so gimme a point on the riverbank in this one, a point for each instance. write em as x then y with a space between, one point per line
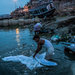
57 20
19 22
62 26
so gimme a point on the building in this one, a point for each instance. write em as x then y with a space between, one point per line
26 9
20 12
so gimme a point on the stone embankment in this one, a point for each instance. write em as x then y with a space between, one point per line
13 22
61 25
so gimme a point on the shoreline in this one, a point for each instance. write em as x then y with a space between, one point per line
58 20
64 26
19 22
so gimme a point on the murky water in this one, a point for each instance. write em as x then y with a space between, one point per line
19 42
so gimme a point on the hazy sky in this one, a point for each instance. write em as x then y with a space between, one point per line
6 6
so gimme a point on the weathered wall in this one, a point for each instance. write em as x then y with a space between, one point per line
13 22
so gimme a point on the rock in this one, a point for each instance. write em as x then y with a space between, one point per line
13 22
72 47
55 38
21 21
36 20
72 29
66 22
1 23
5 23
62 31
72 39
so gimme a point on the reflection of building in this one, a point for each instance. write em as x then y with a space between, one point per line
17 37
17 31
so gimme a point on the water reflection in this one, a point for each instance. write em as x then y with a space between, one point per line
17 36
17 30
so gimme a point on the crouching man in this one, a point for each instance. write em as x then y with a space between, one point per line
44 43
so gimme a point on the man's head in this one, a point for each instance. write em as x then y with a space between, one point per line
36 38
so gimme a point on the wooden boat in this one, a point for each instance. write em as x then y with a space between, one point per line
43 10
70 53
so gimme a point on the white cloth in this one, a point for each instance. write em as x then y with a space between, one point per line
49 46
30 62
37 27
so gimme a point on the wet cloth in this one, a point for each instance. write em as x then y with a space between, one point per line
49 47
37 27
30 62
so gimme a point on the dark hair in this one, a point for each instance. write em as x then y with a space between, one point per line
36 36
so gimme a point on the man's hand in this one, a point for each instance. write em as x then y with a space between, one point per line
34 56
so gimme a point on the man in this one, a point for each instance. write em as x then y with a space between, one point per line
37 27
44 43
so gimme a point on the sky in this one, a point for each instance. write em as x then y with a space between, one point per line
7 6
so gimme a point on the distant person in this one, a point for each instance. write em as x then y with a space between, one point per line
44 43
37 28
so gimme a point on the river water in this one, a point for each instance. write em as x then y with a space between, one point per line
18 41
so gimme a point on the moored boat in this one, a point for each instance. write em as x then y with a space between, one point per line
43 10
70 51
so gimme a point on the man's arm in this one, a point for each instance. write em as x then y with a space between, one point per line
38 49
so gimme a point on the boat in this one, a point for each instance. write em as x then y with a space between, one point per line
69 52
43 10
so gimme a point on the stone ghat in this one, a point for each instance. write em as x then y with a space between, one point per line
61 26
14 22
